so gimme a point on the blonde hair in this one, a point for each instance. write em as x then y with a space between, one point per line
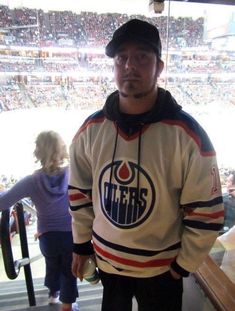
50 151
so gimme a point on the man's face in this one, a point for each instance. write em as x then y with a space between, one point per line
136 69
230 183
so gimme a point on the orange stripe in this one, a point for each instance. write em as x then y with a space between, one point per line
76 196
213 215
134 263
85 125
194 136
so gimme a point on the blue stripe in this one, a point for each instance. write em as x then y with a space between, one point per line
213 202
202 225
85 191
135 251
96 115
71 187
193 125
78 207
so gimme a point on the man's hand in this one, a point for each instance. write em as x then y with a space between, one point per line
78 264
175 275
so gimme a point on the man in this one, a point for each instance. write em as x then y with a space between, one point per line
229 202
144 183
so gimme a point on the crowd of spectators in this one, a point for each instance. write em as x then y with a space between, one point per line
74 80
25 26
90 93
7 181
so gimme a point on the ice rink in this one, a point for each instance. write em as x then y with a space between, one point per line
19 128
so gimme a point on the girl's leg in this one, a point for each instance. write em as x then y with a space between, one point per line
52 260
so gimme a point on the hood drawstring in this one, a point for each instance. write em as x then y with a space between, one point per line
111 171
108 204
138 173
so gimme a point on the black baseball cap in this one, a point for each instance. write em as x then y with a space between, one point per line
135 30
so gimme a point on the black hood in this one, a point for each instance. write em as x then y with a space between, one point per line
165 107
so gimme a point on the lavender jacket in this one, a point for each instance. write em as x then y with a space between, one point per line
49 194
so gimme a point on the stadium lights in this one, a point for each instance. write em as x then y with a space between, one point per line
156 5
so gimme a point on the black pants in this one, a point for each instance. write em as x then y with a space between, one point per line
56 247
159 293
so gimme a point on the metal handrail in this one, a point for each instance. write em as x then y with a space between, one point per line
7 254
28 206
12 267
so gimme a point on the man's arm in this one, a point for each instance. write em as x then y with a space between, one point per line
202 205
81 207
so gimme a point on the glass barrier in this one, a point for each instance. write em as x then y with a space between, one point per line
52 62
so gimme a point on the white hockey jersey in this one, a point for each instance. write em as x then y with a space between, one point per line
144 189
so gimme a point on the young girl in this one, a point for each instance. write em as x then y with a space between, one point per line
47 187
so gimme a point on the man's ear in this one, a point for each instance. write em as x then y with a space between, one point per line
160 67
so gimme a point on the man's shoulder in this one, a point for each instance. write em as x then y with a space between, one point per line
96 117
91 121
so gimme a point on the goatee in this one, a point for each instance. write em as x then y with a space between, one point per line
138 95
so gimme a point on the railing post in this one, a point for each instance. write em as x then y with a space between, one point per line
25 254
7 254
12 267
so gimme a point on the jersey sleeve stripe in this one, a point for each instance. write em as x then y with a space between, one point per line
210 203
78 207
202 225
215 215
76 196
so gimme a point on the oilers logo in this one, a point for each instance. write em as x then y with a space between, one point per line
127 194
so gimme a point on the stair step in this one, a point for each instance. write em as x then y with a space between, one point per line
14 296
13 293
